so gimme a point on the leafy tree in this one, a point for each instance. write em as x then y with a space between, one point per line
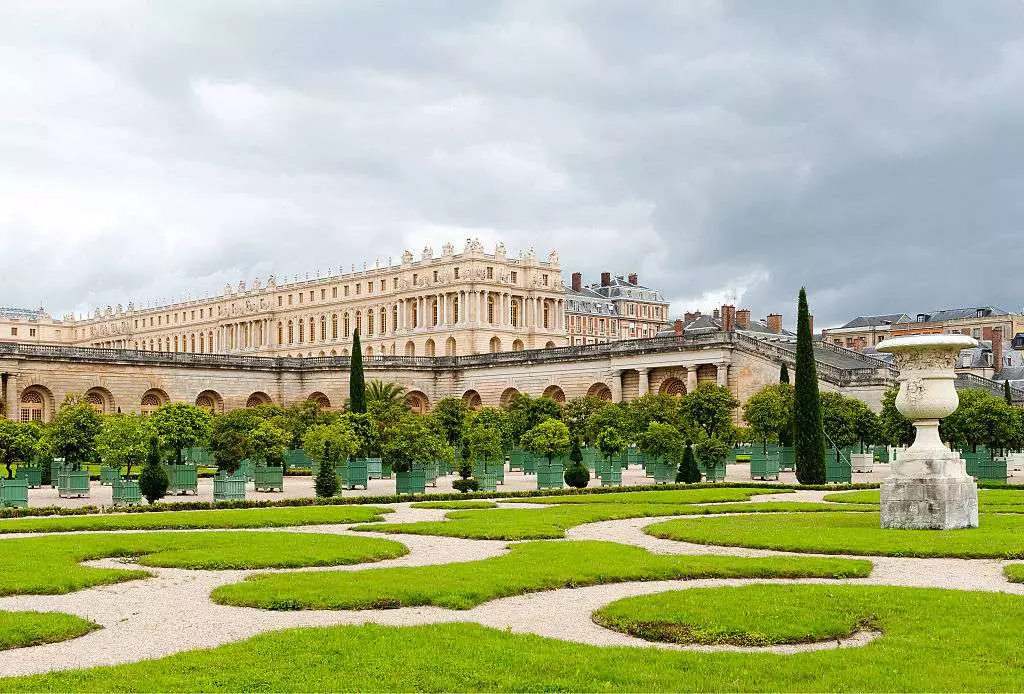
335 442
381 391
181 426
17 445
550 438
653 407
495 418
982 418
229 438
525 413
769 412
1007 395
576 475
452 414
808 436
578 411
326 483
610 442
662 441
123 440
356 384
688 472
269 443
784 373
712 452
74 430
485 446
611 415
837 420
153 482
896 430
296 419
866 427
413 443
709 407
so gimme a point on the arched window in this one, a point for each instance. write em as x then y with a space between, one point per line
32 406
150 401
455 310
312 329
193 340
495 344
394 317
95 400
323 328
159 344
429 348
175 343
369 351
209 340
302 331
358 327
434 312
515 313
383 321
280 333
348 326
490 308
291 333
369 322
415 314
202 343
547 314
334 326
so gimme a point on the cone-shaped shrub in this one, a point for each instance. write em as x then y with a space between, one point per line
808 435
153 482
356 383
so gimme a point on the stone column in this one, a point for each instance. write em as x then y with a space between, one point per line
645 384
723 373
691 378
616 385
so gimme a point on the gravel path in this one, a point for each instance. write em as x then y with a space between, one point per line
172 612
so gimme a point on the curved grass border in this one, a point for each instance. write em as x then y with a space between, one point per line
23 629
998 537
455 505
527 568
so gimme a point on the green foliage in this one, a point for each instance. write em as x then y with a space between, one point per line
17 444
269 443
326 483
784 373
836 420
414 442
808 435
466 484
451 414
494 418
896 430
181 426
230 442
485 445
712 452
769 412
577 412
525 413
356 382
576 475
653 408
550 438
983 418
609 416
709 408
123 440
341 437
662 441
688 472
576 453
610 442
153 482
526 568
22 629
73 431
384 392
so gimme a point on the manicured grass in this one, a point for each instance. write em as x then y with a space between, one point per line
991 499
1000 536
189 520
934 640
1014 573
755 615
527 568
50 564
704 495
20 629
551 523
455 505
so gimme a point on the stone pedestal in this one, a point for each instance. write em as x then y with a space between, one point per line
929 503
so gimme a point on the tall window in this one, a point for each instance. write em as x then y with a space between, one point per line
490 307
434 312
302 331
394 317
515 313
369 322
383 321
455 310
334 326
359 320
348 326
323 328
547 315
291 333
312 330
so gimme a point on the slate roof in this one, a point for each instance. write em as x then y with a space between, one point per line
958 313
620 288
871 321
12 312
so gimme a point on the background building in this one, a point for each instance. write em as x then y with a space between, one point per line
864 331
642 311
590 317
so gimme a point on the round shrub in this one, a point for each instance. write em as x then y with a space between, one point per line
577 475
466 484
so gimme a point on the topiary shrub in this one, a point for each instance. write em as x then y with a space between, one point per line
577 475
153 482
466 484
688 473
326 482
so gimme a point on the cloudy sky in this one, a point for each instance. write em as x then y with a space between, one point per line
870 150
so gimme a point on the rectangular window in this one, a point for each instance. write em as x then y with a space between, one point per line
136 323
383 287
415 277
14 332
334 292
346 290
31 332
359 288
201 314
435 276
394 283
311 296
369 287
515 277
289 299
193 315
490 273
457 273
544 280
159 320
300 297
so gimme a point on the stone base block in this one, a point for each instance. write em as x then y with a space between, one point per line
935 503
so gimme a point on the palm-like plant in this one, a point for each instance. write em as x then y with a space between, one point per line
382 391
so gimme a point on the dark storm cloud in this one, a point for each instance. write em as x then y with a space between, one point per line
869 150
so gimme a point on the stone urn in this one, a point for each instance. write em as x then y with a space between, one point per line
929 486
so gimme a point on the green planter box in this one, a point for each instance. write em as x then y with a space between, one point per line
229 488
991 471
108 474
764 467
663 472
374 468
182 479
14 493
550 476
882 454
268 478
246 470
837 471
715 474
412 482
787 458
531 462
200 457
73 483
591 457
126 492
355 473
32 474
741 454
495 469
56 467
971 459
297 457
517 459
430 473
611 475
488 481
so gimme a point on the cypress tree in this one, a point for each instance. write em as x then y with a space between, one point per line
784 374
356 384
1006 392
808 435
688 471
153 482
326 483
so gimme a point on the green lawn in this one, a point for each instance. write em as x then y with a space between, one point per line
755 615
527 568
551 523
704 495
455 505
1014 573
1000 536
994 500
50 564
934 640
20 629
189 520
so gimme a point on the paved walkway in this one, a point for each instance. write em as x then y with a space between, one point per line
172 611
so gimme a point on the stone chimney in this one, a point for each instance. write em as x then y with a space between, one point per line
997 348
678 325
689 317
810 320
743 318
632 278
715 314
728 318
774 323
606 279
577 281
